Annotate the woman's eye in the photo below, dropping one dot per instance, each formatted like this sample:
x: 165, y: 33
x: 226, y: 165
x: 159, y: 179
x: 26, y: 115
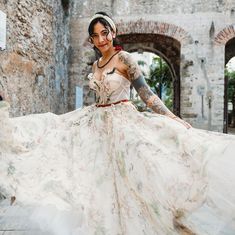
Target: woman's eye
x: 105, y: 33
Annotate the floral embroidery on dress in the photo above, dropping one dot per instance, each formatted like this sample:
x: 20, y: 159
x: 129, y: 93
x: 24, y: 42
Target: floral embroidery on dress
x: 101, y: 86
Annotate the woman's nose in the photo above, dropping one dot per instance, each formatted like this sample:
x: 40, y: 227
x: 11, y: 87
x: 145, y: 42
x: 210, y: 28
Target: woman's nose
x: 101, y: 38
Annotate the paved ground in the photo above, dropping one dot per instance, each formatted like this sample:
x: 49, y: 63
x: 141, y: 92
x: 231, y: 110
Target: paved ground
x: 231, y: 131
x: 15, y: 232
x: 14, y: 220
x: 10, y: 224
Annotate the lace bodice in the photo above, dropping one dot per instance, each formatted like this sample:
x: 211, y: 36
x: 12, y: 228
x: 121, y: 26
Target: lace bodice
x: 110, y: 88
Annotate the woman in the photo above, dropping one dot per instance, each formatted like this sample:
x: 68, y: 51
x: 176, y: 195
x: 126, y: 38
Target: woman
x: 102, y: 31
x: 108, y: 169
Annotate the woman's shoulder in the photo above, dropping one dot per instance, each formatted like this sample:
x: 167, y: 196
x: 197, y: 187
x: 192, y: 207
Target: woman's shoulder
x: 123, y: 53
x: 125, y: 57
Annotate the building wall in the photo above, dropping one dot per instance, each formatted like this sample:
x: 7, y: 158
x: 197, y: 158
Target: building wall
x: 195, y: 24
x: 155, y: 7
x: 33, y: 68
x: 48, y: 55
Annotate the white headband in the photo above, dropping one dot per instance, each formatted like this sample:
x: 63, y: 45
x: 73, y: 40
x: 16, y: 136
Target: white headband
x: 109, y: 20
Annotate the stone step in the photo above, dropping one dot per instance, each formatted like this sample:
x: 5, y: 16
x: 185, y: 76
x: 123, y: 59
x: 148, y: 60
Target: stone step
x: 14, y: 223
x: 14, y: 220
x: 21, y: 233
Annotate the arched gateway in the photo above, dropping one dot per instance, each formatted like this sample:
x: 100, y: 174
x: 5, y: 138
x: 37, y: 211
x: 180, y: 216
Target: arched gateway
x: 226, y: 38
x: 162, y: 39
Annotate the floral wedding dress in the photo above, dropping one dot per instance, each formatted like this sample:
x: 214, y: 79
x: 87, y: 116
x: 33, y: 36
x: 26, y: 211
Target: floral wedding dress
x: 111, y: 170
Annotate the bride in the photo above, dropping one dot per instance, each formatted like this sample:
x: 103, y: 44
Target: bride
x: 109, y: 169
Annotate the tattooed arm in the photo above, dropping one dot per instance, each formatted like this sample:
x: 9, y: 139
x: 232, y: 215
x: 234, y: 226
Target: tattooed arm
x: 152, y: 101
x: 135, y: 76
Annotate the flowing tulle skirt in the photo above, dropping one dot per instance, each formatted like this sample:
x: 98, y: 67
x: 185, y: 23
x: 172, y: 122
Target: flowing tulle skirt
x: 116, y: 171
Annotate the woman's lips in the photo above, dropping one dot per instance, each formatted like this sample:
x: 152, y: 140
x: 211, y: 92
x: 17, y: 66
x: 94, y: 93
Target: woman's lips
x: 102, y: 45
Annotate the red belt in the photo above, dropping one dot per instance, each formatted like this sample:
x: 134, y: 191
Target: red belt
x: 105, y: 105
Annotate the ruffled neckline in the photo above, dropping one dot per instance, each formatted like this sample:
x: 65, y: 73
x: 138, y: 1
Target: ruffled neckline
x: 104, y: 74
x: 103, y: 86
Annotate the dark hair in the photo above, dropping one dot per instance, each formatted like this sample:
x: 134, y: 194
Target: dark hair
x: 105, y: 23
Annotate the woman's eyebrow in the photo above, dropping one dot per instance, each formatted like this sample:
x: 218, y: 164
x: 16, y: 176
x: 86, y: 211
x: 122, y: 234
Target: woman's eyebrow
x: 102, y: 31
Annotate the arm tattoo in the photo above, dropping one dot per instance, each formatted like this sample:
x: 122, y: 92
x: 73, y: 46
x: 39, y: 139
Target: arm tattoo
x: 139, y: 83
x: 151, y: 100
x: 133, y: 69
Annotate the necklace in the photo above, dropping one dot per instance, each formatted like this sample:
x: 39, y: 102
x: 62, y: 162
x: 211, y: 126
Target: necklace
x: 100, y: 67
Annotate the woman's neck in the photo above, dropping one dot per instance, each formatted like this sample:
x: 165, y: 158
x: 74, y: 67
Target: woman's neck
x: 107, y: 54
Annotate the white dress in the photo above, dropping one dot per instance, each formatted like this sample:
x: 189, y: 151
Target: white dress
x: 115, y: 171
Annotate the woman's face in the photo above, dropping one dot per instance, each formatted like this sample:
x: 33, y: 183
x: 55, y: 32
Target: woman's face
x: 102, y: 37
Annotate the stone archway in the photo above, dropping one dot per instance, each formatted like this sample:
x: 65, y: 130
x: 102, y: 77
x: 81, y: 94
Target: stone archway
x: 225, y: 35
x: 229, y: 53
x: 160, y: 38
x: 226, y: 38
x: 165, y: 48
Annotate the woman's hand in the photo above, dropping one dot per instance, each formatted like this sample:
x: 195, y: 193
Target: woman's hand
x: 186, y: 124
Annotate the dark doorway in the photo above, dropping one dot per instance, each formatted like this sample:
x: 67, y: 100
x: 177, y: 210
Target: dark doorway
x: 229, y: 88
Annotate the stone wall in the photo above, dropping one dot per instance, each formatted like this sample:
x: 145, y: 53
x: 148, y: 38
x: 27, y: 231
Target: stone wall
x: 33, y: 68
x: 48, y: 55
x: 201, y: 28
x: 154, y: 7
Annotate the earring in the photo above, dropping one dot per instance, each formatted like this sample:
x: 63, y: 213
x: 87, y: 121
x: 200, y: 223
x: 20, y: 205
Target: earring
x: 90, y: 39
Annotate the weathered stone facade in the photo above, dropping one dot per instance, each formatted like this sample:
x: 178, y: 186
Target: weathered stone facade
x: 40, y: 70
x: 33, y: 68
x: 194, y: 37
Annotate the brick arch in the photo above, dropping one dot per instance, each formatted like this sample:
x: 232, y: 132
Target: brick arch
x: 225, y: 35
x: 166, y: 47
x: 152, y: 27
x: 226, y: 38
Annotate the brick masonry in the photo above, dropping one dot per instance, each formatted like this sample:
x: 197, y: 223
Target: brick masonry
x: 225, y: 35
x: 151, y: 27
